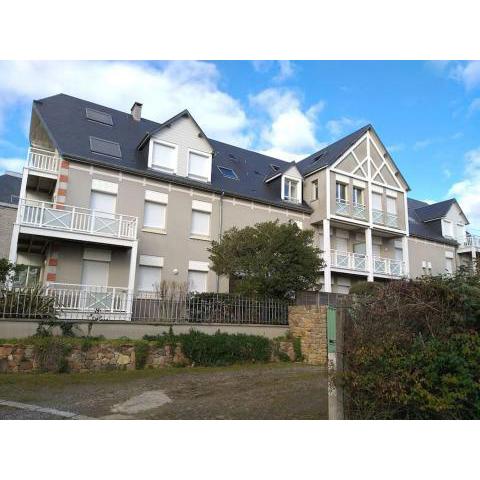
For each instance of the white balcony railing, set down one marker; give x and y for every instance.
(348, 260)
(56, 216)
(391, 220)
(342, 207)
(359, 211)
(43, 160)
(88, 298)
(388, 266)
(471, 241)
(377, 216)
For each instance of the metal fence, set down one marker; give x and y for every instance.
(101, 304)
(321, 298)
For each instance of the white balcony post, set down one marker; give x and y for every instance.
(72, 220)
(131, 278)
(327, 272)
(406, 264)
(369, 252)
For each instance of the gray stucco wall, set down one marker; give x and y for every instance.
(424, 250)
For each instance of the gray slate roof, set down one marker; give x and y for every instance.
(328, 155)
(10, 188)
(416, 224)
(435, 210)
(64, 118)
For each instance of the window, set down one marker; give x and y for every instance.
(200, 223)
(154, 215)
(447, 228)
(315, 190)
(392, 205)
(197, 281)
(228, 173)
(341, 190)
(103, 202)
(199, 166)
(149, 278)
(291, 190)
(98, 116)
(164, 156)
(358, 196)
(95, 273)
(377, 201)
(449, 265)
(105, 147)
(461, 233)
(27, 276)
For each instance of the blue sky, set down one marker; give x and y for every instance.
(426, 113)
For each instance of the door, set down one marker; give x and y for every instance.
(341, 259)
(95, 294)
(359, 260)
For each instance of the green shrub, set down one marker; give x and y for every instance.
(224, 349)
(51, 353)
(141, 353)
(412, 350)
(297, 348)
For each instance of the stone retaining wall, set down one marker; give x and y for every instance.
(309, 323)
(23, 358)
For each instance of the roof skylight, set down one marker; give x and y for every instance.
(98, 116)
(105, 147)
(228, 173)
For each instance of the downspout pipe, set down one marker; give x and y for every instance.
(220, 231)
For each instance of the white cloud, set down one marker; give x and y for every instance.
(474, 106)
(420, 144)
(343, 125)
(429, 201)
(12, 164)
(291, 130)
(164, 89)
(286, 70)
(467, 73)
(467, 191)
(398, 147)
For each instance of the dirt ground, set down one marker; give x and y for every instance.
(273, 391)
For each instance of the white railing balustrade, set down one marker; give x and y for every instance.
(472, 241)
(348, 260)
(43, 160)
(391, 220)
(343, 207)
(377, 216)
(359, 211)
(88, 298)
(388, 266)
(56, 216)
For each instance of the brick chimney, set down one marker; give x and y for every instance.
(137, 111)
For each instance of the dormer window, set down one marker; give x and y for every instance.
(163, 156)
(447, 227)
(291, 189)
(199, 165)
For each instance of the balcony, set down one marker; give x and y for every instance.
(388, 266)
(348, 260)
(359, 211)
(66, 218)
(43, 160)
(391, 220)
(377, 216)
(342, 207)
(471, 241)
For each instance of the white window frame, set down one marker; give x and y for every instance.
(155, 227)
(198, 267)
(202, 154)
(315, 190)
(299, 188)
(445, 233)
(362, 195)
(146, 268)
(159, 198)
(345, 185)
(389, 200)
(150, 156)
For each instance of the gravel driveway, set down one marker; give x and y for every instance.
(273, 391)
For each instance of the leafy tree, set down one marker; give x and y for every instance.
(272, 259)
(7, 269)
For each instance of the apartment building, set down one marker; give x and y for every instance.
(110, 199)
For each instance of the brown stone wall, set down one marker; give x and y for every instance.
(309, 323)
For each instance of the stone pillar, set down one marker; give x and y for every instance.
(369, 253)
(327, 272)
(309, 323)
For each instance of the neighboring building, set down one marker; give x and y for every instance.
(111, 199)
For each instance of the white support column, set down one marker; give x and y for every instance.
(12, 257)
(131, 277)
(369, 253)
(406, 260)
(327, 272)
